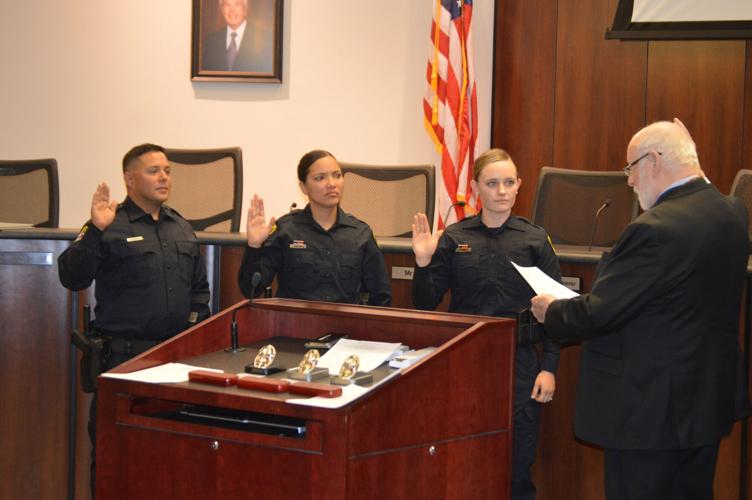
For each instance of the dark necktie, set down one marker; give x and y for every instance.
(232, 51)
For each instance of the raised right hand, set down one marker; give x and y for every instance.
(424, 243)
(102, 208)
(256, 228)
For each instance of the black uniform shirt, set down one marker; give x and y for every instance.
(312, 263)
(149, 274)
(474, 261)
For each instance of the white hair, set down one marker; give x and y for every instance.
(675, 145)
(245, 2)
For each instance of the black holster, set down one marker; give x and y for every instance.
(91, 345)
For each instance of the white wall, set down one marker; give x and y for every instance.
(84, 80)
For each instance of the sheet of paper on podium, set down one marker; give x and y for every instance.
(168, 373)
(371, 354)
(542, 283)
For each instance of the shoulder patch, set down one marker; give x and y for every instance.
(82, 232)
(273, 229)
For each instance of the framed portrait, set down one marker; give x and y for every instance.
(237, 40)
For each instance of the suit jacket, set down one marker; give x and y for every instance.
(660, 356)
(255, 54)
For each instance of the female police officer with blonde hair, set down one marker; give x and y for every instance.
(320, 252)
(473, 258)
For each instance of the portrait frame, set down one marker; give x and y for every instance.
(257, 58)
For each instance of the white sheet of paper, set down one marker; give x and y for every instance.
(543, 283)
(168, 373)
(371, 354)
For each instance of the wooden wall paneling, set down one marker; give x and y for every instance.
(230, 292)
(600, 88)
(702, 82)
(523, 88)
(747, 137)
(35, 359)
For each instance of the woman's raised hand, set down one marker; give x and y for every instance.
(424, 243)
(256, 228)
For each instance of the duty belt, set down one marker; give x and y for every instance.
(119, 345)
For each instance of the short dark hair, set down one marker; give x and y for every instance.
(136, 151)
(309, 159)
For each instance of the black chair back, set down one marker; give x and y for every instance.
(29, 192)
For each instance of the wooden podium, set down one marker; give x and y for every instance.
(438, 429)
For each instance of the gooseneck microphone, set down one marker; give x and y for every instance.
(255, 280)
(449, 210)
(606, 204)
(293, 206)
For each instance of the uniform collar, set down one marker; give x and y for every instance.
(513, 222)
(343, 218)
(135, 212)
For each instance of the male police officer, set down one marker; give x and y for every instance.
(151, 280)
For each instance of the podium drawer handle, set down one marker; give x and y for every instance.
(214, 445)
(432, 450)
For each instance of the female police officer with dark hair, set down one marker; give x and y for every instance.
(473, 258)
(320, 252)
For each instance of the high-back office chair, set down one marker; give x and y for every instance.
(207, 187)
(387, 197)
(742, 188)
(29, 192)
(566, 203)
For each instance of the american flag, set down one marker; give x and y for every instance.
(450, 105)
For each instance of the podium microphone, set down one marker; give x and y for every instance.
(606, 204)
(255, 280)
(449, 210)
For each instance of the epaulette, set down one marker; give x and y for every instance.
(531, 223)
(526, 220)
(290, 215)
(167, 207)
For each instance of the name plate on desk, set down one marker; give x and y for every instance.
(572, 282)
(402, 273)
(26, 258)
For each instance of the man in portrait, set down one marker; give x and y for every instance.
(244, 44)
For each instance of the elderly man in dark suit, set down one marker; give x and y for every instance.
(239, 46)
(660, 357)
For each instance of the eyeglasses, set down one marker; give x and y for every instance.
(630, 166)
